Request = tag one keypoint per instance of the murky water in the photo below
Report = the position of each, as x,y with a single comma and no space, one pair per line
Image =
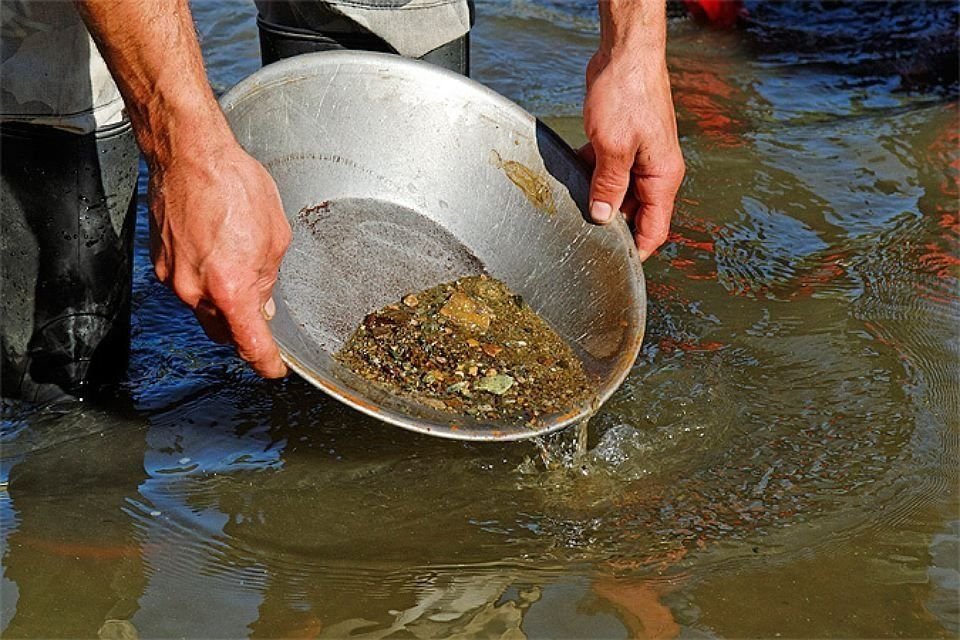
781,461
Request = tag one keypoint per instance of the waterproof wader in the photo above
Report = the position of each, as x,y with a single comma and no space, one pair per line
283,38
67,215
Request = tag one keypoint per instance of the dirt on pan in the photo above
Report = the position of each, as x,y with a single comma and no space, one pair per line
470,347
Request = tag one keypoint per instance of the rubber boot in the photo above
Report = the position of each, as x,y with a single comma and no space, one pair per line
67,215
279,41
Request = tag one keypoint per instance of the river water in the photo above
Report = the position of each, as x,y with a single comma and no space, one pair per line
782,460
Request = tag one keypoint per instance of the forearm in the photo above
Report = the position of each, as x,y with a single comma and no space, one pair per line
152,51
633,30
218,230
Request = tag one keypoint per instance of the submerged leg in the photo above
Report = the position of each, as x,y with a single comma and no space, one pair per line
67,214
293,28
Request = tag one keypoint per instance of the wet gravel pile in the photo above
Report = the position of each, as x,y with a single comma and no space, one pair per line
470,347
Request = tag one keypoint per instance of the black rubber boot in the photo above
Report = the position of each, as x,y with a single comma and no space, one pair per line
67,215
279,41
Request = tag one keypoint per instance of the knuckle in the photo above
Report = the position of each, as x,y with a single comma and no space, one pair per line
247,353
650,242
606,180
659,236
251,349
614,149
281,244
189,293
677,169
161,270
224,291
286,235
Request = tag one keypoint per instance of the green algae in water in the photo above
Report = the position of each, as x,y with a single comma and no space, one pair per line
469,347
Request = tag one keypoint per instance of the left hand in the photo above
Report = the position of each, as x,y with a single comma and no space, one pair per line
218,235
632,131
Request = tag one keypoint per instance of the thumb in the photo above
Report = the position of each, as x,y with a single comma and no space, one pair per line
611,179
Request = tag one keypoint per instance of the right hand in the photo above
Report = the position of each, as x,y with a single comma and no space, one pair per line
218,234
629,119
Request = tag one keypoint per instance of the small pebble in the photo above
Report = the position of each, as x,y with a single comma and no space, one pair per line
495,384
492,350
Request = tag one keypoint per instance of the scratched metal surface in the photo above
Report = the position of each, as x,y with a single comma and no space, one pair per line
396,176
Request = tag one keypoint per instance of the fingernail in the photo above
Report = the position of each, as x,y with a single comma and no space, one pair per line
600,212
643,254
269,309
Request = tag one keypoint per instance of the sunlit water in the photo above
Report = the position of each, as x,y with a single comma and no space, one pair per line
782,459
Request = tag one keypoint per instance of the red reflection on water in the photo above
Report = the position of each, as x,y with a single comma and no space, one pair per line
723,13
670,345
709,97
703,268
80,551
826,269
942,255
639,605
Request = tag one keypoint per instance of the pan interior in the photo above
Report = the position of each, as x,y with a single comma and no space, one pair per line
364,254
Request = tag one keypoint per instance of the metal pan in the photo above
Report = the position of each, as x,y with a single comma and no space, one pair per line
396,176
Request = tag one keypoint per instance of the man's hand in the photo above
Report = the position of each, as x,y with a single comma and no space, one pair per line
218,231
218,234
630,122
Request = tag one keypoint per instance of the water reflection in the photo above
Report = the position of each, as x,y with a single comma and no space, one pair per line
177,524
72,554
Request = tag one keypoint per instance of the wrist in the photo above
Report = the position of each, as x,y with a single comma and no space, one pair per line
628,66
183,128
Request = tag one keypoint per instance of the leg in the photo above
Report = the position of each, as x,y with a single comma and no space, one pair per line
283,33
67,214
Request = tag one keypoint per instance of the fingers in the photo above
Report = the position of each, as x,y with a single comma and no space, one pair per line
212,322
611,179
236,314
233,313
250,332
244,324
651,227
652,220
587,154
648,204
655,198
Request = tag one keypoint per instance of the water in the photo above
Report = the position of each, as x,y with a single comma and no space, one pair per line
782,459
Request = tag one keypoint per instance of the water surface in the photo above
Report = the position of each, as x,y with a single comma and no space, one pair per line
782,459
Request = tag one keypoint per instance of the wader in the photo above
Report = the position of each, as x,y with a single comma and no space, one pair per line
284,33
67,218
